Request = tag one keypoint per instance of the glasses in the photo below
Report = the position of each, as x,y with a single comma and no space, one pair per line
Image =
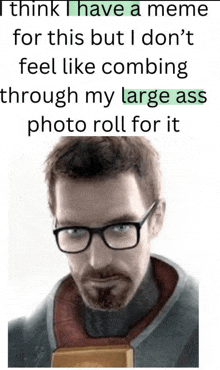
124,235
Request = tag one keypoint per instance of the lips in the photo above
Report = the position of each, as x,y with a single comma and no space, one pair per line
105,282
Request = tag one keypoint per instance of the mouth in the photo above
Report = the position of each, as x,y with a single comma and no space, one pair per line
105,282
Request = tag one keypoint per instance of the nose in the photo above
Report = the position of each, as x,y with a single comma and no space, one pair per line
100,256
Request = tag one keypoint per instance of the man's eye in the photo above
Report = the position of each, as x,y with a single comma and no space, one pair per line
76,233
121,228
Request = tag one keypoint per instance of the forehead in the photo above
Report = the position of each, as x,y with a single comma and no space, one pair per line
97,201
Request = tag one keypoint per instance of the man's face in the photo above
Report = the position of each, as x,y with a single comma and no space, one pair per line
106,278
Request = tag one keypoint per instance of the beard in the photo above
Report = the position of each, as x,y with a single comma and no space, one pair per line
106,298
105,290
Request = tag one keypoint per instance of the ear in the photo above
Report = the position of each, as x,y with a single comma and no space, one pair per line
156,220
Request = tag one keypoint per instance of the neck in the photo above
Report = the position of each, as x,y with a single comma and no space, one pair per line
119,322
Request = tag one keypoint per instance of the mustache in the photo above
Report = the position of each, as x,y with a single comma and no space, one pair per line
105,273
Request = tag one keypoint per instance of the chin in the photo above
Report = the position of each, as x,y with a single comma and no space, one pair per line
104,300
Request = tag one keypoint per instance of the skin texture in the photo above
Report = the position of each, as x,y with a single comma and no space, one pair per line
107,279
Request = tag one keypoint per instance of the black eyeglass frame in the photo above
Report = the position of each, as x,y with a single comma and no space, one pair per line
100,231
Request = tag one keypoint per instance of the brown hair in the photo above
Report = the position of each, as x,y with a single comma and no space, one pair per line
101,157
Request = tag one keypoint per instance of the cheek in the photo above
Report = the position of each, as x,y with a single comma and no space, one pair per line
144,259
75,264
137,261
140,260
144,247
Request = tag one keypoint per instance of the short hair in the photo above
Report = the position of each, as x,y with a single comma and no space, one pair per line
102,157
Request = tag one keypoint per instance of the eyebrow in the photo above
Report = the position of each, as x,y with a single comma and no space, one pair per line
120,219
123,218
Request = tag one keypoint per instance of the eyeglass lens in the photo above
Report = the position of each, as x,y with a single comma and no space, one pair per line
116,236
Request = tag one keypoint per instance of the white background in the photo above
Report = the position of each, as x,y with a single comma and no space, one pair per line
189,159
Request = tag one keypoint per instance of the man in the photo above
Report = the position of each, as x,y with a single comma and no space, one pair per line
120,306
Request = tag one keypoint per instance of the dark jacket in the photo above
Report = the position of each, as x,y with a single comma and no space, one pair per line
171,340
